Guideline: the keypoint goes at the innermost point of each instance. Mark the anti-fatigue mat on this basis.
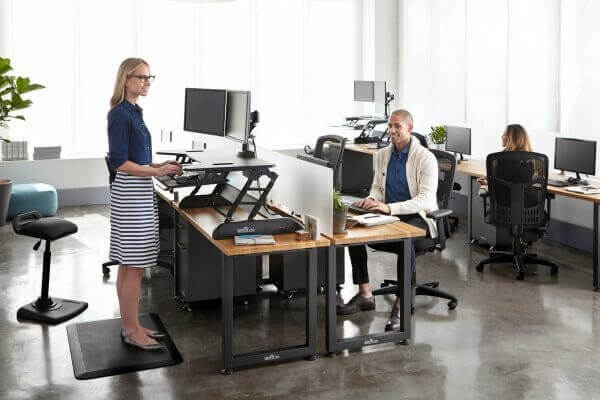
(97, 350)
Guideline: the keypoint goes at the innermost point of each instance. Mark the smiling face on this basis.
(137, 83)
(399, 131)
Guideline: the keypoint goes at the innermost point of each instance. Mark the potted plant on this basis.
(437, 137)
(340, 212)
(11, 102)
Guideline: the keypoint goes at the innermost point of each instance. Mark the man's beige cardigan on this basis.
(422, 178)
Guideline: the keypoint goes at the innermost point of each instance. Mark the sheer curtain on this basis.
(483, 64)
(296, 56)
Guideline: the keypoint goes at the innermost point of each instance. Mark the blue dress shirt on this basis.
(128, 136)
(396, 185)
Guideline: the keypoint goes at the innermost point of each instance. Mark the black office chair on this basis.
(329, 149)
(111, 177)
(447, 167)
(450, 223)
(517, 182)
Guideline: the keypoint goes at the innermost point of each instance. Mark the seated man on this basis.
(404, 184)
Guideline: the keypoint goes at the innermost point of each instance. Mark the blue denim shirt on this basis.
(128, 136)
(396, 185)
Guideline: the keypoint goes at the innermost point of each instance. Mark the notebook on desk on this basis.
(584, 189)
(371, 219)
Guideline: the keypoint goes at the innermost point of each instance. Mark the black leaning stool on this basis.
(46, 309)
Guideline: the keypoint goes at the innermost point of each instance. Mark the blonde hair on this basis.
(404, 116)
(516, 138)
(127, 67)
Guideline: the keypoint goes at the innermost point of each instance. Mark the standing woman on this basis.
(133, 212)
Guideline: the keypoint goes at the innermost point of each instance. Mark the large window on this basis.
(299, 68)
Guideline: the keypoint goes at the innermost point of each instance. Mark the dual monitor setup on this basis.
(572, 155)
(221, 112)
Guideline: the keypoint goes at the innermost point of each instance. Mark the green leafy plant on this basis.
(438, 134)
(338, 205)
(11, 90)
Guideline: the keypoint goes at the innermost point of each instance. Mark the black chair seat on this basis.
(32, 224)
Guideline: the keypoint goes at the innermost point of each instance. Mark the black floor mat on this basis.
(97, 350)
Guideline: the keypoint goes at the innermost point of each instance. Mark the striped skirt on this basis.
(133, 221)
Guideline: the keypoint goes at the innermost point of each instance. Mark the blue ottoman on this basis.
(27, 197)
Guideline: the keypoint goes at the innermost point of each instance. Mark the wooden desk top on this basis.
(205, 220)
(366, 148)
(477, 169)
(365, 234)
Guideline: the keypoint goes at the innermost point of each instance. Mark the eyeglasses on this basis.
(144, 78)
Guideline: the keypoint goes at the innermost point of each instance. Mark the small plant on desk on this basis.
(437, 135)
(340, 212)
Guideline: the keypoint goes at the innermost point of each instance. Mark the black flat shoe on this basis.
(356, 304)
(153, 334)
(393, 324)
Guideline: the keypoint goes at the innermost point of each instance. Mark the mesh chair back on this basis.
(331, 149)
(111, 173)
(421, 139)
(446, 168)
(517, 183)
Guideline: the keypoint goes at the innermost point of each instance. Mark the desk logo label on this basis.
(272, 357)
(371, 341)
(246, 229)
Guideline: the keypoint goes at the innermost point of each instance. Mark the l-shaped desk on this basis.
(476, 169)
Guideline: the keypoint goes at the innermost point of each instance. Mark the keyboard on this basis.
(349, 202)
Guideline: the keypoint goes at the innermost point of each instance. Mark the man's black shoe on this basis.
(356, 304)
(393, 324)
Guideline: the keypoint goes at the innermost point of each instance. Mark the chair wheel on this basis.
(554, 271)
(452, 305)
(412, 310)
(479, 268)
(520, 276)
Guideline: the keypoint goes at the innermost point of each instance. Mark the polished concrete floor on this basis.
(532, 339)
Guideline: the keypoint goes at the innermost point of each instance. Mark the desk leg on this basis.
(227, 314)
(405, 281)
(311, 304)
(470, 210)
(330, 267)
(596, 246)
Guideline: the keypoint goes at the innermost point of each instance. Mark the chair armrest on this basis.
(437, 214)
(314, 160)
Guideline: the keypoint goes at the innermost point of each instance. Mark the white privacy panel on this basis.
(302, 187)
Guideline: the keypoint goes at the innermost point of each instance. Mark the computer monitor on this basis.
(364, 91)
(575, 155)
(370, 91)
(238, 115)
(458, 140)
(205, 111)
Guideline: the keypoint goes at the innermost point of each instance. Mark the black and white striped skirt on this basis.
(133, 221)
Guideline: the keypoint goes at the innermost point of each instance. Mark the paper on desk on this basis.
(372, 219)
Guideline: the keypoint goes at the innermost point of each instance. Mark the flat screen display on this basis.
(575, 155)
(205, 111)
(458, 139)
(364, 91)
(238, 115)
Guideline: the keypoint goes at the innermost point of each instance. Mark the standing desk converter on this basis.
(477, 169)
(358, 235)
(205, 220)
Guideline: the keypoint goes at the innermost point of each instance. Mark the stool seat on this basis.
(49, 228)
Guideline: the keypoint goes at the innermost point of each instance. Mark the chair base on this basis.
(518, 260)
(53, 311)
(421, 289)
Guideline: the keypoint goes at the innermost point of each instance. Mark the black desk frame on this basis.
(401, 336)
(307, 350)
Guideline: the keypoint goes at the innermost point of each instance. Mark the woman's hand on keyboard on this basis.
(168, 168)
(373, 205)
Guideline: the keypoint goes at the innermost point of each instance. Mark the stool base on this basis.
(61, 310)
